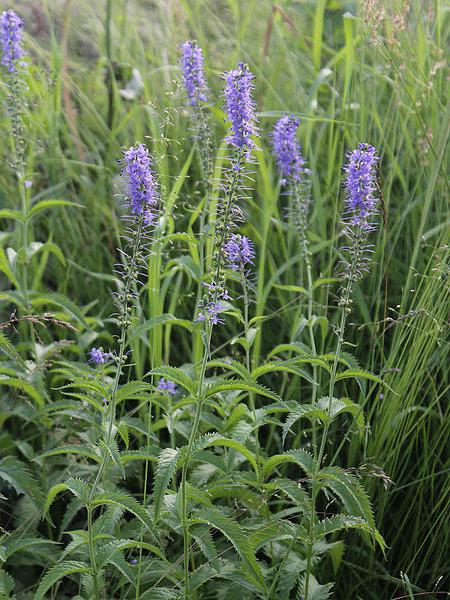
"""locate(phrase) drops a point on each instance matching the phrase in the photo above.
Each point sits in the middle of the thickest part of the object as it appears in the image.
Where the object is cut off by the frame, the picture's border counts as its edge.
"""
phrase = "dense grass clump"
(224, 262)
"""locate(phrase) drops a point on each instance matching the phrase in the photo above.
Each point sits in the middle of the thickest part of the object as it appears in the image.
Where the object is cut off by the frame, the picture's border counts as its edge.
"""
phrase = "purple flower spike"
(239, 252)
(167, 386)
(11, 31)
(142, 188)
(240, 107)
(98, 357)
(287, 150)
(193, 74)
(360, 185)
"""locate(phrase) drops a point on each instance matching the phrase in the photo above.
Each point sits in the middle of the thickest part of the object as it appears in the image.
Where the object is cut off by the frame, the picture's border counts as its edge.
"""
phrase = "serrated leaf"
(17, 474)
(126, 502)
(8, 349)
(133, 390)
(353, 496)
(300, 457)
(76, 449)
(233, 532)
(165, 469)
(177, 376)
(229, 443)
(277, 366)
(316, 591)
(58, 572)
(112, 451)
(243, 386)
(6, 269)
(24, 386)
(63, 302)
(358, 374)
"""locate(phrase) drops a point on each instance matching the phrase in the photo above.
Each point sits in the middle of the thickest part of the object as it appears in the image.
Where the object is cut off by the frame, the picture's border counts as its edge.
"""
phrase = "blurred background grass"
(350, 76)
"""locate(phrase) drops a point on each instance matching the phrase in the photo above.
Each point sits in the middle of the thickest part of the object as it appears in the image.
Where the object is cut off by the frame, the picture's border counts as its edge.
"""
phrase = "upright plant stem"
(248, 360)
(92, 552)
(112, 405)
(192, 436)
(318, 462)
(219, 244)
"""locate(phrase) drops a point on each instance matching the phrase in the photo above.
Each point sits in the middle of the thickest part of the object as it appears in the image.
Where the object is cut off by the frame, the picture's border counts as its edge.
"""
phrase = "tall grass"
(347, 82)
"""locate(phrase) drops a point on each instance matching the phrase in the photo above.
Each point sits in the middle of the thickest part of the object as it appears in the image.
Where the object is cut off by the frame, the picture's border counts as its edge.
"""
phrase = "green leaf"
(7, 348)
(316, 591)
(47, 204)
(359, 374)
(126, 502)
(159, 593)
(140, 330)
(23, 386)
(271, 532)
(241, 385)
(286, 366)
(231, 530)
(299, 457)
(176, 375)
(113, 452)
(134, 390)
(165, 469)
(122, 430)
(77, 486)
(352, 495)
(6, 269)
(7, 213)
(17, 474)
(229, 443)
(76, 449)
(56, 573)
(63, 302)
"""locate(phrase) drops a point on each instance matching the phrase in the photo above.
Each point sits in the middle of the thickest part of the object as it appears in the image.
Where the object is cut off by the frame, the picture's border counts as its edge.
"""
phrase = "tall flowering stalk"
(142, 199)
(240, 109)
(293, 177)
(196, 89)
(11, 37)
(361, 207)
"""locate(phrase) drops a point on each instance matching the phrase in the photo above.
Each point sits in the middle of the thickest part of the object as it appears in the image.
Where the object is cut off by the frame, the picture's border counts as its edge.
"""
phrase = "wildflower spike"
(11, 32)
(360, 185)
(141, 185)
(287, 150)
(240, 107)
(193, 73)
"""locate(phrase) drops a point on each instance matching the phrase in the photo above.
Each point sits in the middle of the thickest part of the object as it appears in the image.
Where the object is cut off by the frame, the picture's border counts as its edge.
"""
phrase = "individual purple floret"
(11, 31)
(240, 107)
(239, 252)
(360, 185)
(141, 185)
(287, 149)
(193, 74)
(167, 386)
(98, 357)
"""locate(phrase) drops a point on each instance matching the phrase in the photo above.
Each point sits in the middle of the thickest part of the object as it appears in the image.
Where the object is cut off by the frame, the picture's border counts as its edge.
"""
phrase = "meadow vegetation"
(224, 300)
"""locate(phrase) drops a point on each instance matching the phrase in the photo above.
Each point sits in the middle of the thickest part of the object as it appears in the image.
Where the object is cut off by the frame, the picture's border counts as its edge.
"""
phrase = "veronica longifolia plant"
(360, 207)
(240, 110)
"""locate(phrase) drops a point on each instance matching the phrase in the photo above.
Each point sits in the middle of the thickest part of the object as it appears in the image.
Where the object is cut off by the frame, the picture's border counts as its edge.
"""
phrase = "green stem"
(92, 552)
(318, 463)
(248, 360)
(219, 243)
(192, 436)
(120, 361)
